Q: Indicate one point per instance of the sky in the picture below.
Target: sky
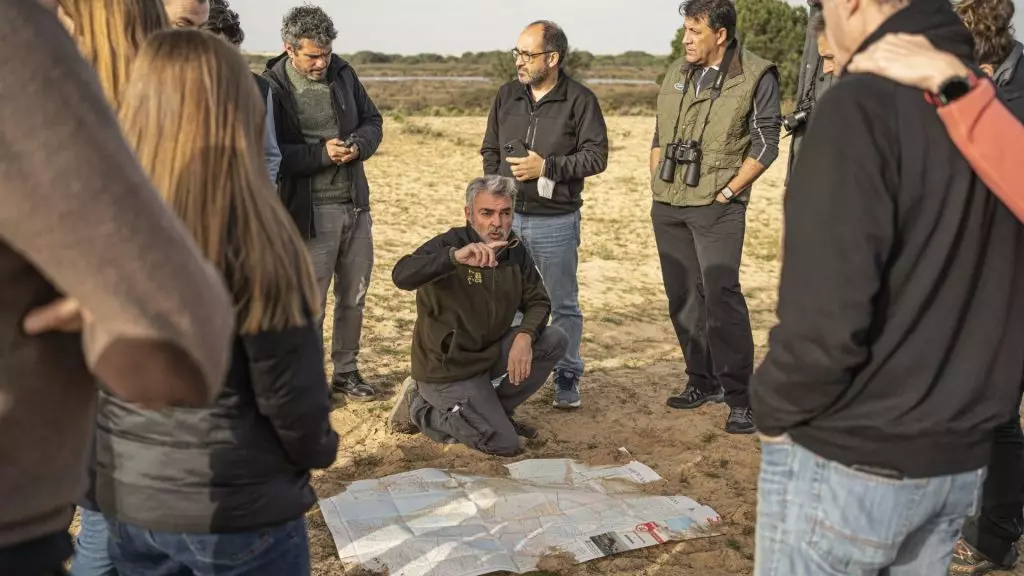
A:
(457, 26)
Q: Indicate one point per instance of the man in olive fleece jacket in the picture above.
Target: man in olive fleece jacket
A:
(470, 370)
(79, 219)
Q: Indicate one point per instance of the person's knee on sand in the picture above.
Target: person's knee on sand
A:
(551, 345)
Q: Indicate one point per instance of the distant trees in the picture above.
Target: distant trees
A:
(771, 29)
(577, 63)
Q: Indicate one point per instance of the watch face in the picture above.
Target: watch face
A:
(954, 88)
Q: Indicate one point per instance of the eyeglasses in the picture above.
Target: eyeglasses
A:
(527, 56)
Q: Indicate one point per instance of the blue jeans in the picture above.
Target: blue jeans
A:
(92, 556)
(281, 550)
(553, 242)
(816, 517)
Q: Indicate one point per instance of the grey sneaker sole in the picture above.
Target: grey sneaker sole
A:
(567, 405)
(400, 420)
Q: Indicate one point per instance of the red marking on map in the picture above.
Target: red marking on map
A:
(652, 529)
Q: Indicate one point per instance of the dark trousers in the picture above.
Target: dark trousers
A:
(996, 529)
(483, 419)
(700, 249)
(40, 557)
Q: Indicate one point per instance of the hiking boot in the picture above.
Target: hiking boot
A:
(400, 418)
(525, 430)
(969, 562)
(692, 397)
(352, 386)
(741, 421)
(567, 390)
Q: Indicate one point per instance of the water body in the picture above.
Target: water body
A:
(486, 79)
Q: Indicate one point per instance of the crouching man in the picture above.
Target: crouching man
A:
(470, 371)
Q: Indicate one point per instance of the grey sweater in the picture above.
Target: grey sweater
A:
(331, 185)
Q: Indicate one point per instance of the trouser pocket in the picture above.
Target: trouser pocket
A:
(463, 423)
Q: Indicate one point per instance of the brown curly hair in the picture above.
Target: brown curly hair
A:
(991, 24)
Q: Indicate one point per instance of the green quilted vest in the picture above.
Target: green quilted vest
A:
(726, 138)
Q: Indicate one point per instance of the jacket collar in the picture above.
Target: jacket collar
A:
(559, 92)
(735, 67)
(276, 68)
(1006, 71)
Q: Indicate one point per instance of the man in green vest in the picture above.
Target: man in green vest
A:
(717, 131)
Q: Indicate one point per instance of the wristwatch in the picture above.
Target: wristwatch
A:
(728, 193)
(953, 88)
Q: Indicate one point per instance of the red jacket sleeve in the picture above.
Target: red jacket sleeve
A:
(990, 137)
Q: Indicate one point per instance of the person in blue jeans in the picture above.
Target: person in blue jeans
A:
(557, 123)
(222, 489)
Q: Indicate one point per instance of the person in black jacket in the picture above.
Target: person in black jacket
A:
(470, 369)
(327, 127)
(224, 22)
(900, 341)
(559, 123)
(187, 491)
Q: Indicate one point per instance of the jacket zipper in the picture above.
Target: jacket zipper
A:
(531, 135)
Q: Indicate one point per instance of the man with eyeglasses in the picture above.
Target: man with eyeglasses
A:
(547, 131)
(327, 127)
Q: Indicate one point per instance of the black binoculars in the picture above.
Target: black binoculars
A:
(687, 153)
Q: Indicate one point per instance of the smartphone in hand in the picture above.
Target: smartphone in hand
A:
(516, 149)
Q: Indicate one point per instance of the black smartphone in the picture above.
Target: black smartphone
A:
(516, 149)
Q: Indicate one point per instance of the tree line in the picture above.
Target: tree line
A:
(772, 29)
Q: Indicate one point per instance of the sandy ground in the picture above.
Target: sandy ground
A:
(633, 361)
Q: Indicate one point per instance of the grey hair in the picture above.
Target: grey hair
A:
(497, 185)
(308, 22)
(555, 39)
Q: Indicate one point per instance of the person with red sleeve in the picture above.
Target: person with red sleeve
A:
(984, 124)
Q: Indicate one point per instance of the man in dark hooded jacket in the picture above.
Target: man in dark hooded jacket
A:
(901, 332)
(327, 127)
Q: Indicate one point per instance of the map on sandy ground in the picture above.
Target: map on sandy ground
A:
(432, 522)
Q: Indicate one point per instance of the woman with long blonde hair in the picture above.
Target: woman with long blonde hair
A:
(110, 34)
(225, 487)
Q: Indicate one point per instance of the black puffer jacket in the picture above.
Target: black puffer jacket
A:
(357, 117)
(239, 465)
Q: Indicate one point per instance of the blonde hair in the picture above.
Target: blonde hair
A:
(194, 117)
(110, 34)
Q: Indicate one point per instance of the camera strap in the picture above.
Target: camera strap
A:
(716, 88)
(686, 88)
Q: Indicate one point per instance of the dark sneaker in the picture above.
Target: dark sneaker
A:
(692, 397)
(352, 386)
(525, 430)
(969, 562)
(567, 390)
(400, 419)
(741, 421)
